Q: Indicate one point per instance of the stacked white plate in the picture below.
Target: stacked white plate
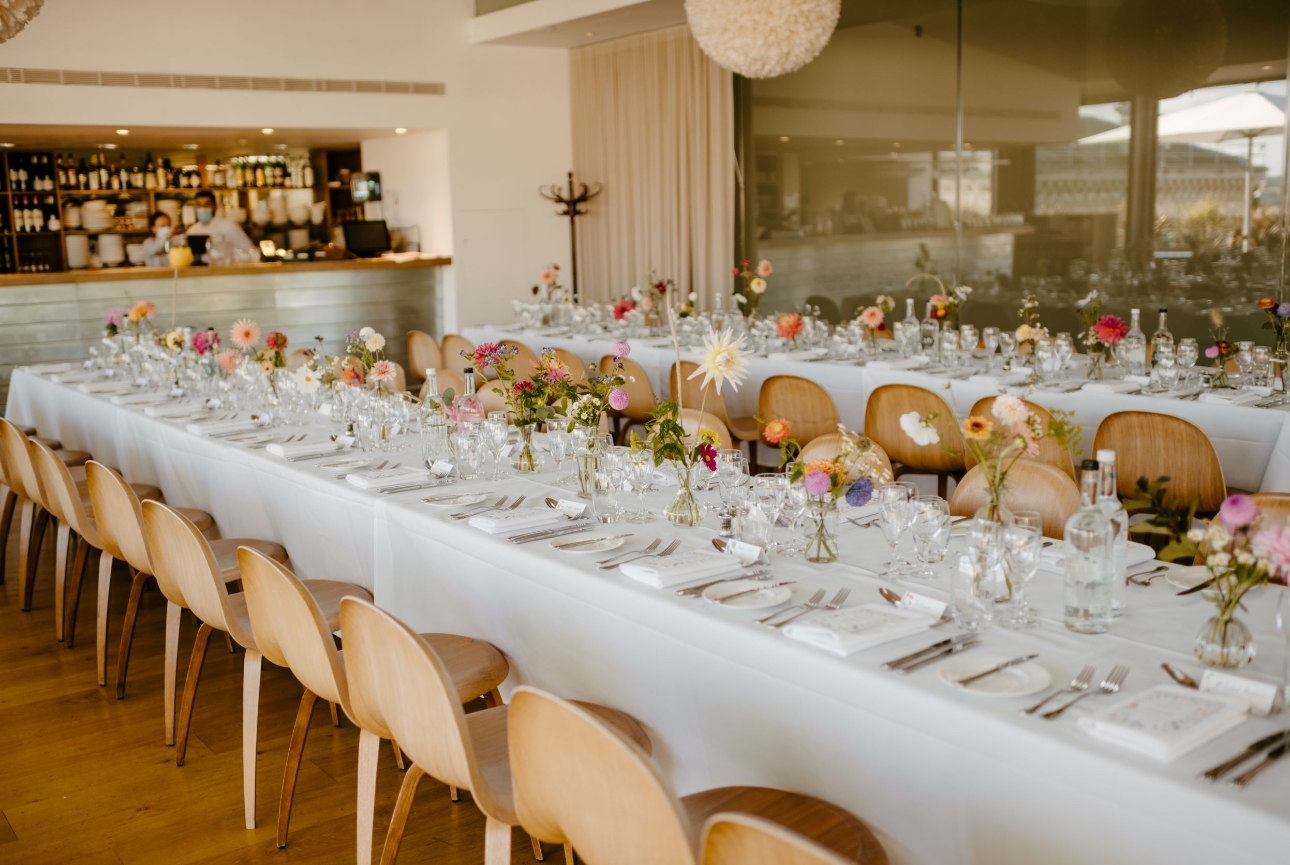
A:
(95, 216)
(170, 207)
(112, 249)
(78, 251)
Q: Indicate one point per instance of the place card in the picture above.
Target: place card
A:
(1261, 696)
(1166, 721)
(744, 551)
(325, 409)
(923, 604)
(571, 509)
(441, 468)
(505, 451)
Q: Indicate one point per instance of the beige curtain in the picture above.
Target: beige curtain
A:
(653, 121)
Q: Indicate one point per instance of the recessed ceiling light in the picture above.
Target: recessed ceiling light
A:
(1268, 66)
(280, 146)
(783, 139)
(400, 131)
(839, 142)
(6, 144)
(589, 33)
(108, 146)
(189, 146)
(123, 132)
(267, 130)
(895, 144)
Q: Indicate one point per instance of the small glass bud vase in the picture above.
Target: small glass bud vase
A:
(821, 526)
(684, 510)
(1225, 641)
(525, 460)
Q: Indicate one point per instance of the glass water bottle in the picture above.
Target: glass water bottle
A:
(1133, 348)
(1162, 336)
(1088, 560)
(1108, 499)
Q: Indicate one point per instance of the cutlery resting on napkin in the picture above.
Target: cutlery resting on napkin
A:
(507, 522)
(300, 449)
(664, 573)
(379, 479)
(855, 629)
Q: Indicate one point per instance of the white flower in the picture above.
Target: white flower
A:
(382, 370)
(961, 292)
(694, 296)
(757, 285)
(1218, 561)
(365, 333)
(1087, 299)
(1196, 535)
(374, 341)
(1010, 409)
(1245, 557)
(723, 359)
(922, 432)
(636, 293)
(740, 299)
(307, 379)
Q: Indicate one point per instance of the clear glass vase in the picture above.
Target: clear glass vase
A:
(584, 459)
(525, 460)
(821, 530)
(1095, 359)
(994, 513)
(1225, 641)
(684, 510)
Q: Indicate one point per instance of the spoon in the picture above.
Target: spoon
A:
(896, 600)
(1180, 677)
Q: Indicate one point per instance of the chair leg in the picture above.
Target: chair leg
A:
(335, 715)
(497, 843)
(26, 528)
(369, 747)
(127, 627)
(299, 733)
(942, 485)
(537, 849)
(568, 855)
(493, 699)
(62, 545)
(173, 613)
(250, 730)
(33, 548)
(6, 523)
(74, 591)
(102, 596)
(454, 794)
(228, 641)
(398, 755)
(190, 691)
(399, 819)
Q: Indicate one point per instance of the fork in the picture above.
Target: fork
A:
(1109, 685)
(653, 545)
(807, 607)
(1079, 683)
(667, 551)
(1137, 579)
(479, 509)
(838, 600)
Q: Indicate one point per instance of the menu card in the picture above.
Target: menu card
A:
(380, 479)
(1166, 721)
(847, 631)
(687, 567)
(506, 523)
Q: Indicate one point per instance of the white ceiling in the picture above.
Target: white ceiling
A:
(570, 23)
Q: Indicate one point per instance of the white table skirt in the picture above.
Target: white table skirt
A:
(941, 777)
(1253, 444)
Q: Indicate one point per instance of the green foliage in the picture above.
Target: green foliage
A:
(1166, 531)
(666, 434)
(1062, 427)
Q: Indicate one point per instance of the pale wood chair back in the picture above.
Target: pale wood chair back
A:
(423, 354)
(693, 420)
(451, 349)
(1275, 507)
(182, 558)
(577, 366)
(118, 516)
(493, 397)
(882, 424)
(399, 383)
(392, 670)
(1031, 486)
(1149, 445)
(290, 629)
(62, 498)
(692, 395)
(640, 395)
(526, 358)
(22, 474)
(827, 447)
(578, 782)
(1051, 451)
(744, 839)
(298, 358)
(804, 404)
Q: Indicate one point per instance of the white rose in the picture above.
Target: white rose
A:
(922, 434)
(374, 341)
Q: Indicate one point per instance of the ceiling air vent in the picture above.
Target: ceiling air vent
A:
(82, 78)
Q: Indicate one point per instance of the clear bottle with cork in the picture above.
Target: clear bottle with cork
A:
(469, 409)
(1088, 556)
(434, 421)
(1162, 336)
(1108, 499)
(929, 331)
(1133, 348)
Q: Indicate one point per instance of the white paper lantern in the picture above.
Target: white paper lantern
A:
(14, 15)
(762, 38)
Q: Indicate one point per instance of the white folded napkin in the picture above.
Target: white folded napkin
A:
(136, 398)
(801, 354)
(506, 522)
(1000, 379)
(218, 427)
(45, 368)
(685, 567)
(105, 387)
(1231, 397)
(1166, 721)
(301, 449)
(76, 376)
(164, 411)
(380, 479)
(845, 632)
(1054, 558)
(918, 361)
(1112, 387)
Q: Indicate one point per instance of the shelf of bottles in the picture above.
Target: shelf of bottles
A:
(37, 188)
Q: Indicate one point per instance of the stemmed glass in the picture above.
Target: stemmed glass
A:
(931, 531)
(968, 339)
(1065, 351)
(990, 337)
(730, 468)
(1008, 343)
(642, 474)
(1022, 546)
(1187, 353)
(894, 514)
(1245, 360)
(470, 446)
(559, 442)
(496, 434)
(796, 499)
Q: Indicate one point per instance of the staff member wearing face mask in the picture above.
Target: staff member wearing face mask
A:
(154, 248)
(215, 226)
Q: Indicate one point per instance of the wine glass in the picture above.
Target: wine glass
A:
(1008, 344)
(990, 337)
(968, 339)
(893, 518)
(1065, 351)
(1187, 353)
(642, 474)
(1022, 546)
(728, 471)
(796, 499)
(1166, 360)
(930, 528)
(559, 442)
(496, 435)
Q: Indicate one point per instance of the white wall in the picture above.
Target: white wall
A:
(505, 115)
(415, 188)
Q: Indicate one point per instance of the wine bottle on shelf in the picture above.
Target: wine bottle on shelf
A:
(103, 172)
(163, 174)
(22, 177)
(82, 175)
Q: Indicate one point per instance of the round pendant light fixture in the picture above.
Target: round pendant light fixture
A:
(14, 15)
(762, 38)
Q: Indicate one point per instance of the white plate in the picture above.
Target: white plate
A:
(1019, 681)
(346, 465)
(594, 544)
(1189, 577)
(457, 501)
(751, 601)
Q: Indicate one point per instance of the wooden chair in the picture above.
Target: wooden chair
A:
(423, 354)
(451, 350)
(827, 447)
(1149, 445)
(579, 782)
(806, 406)
(1275, 507)
(298, 358)
(882, 424)
(181, 557)
(1051, 451)
(742, 839)
(828, 308)
(639, 395)
(292, 631)
(1032, 485)
(21, 480)
(693, 420)
(401, 673)
(493, 397)
(742, 429)
(577, 366)
(525, 359)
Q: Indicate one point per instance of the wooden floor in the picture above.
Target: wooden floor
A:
(87, 778)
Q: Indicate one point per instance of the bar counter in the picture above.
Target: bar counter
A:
(53, 317)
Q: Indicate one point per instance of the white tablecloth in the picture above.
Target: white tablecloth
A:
(942, 777)
(1253, 444)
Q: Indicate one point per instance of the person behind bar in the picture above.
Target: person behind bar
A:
(154, 248)
(222, 231)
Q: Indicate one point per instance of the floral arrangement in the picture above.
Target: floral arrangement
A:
(622, 306)
(1220, 351)
(777, 432)
(308, 379)
(548, 286)
(750, 282)
(229, 360)
(852, 472)
(600, 390)
(1278, 321)
(206, 341)
(274, 353)
(113, 321)
(532, 400)
(142, 312)
(948, 303)
(789, 326)
(874, 318)
(1030, 331)
(1100, 331)
(173, 340)
(365, 355)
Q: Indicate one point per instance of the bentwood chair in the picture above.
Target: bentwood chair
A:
(576, 366)
(1051, 451)
(742, 429)
(1032, 485)
(492, 396)
(882, 424)
(20, 478)
(452, 349)
(640, 397)
(742, 839)
(402, 674)
(1152, 445)
(828, 308)
(693, 421)
(10, 496)
(423, 354)
(806, 406)
(579, 782)
(1275, 507)
(298, 358)
(181, 557)
(292, 631)
(827, 447)
(526, 358)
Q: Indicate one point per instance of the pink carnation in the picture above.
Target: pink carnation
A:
(622, 349)
(1273, 545)
(1237, 511)
(1027, 434)
(763, 268)
(622, 307)
(618, 399)
(818, 483)
(1211, 352)
(1110, 329)
(229, 360)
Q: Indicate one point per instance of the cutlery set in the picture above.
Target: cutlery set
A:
(1275, 745)
(936, 651)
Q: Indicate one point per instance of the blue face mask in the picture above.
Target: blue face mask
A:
(205, 215)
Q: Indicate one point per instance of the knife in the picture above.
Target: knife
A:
(754, 589)
(1275, 754)
(1254, 748)
(1196, 588)
(952, 650)
(1011, 662)
(948, 641)
(698, 590)
(419, 485)
(550, 533)
(575, 544)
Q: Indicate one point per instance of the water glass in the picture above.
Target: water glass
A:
(496, 434)
(894, 514)
(931, 531)
(604, 493)
(642, 475)
(470, 452)
(1022, 547)
(968, 338)
(949, 348)
(1008, 345)
(1187, 353)
(990, 339)
(796, 499)
(972, 583)
(770, 488)
(1166, 360)
(1262, 376)
(1245, 360)
(756, 525)
(559, 442)
(1065, 351)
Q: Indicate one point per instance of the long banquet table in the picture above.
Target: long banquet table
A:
(1253, 444)
(942, 777)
